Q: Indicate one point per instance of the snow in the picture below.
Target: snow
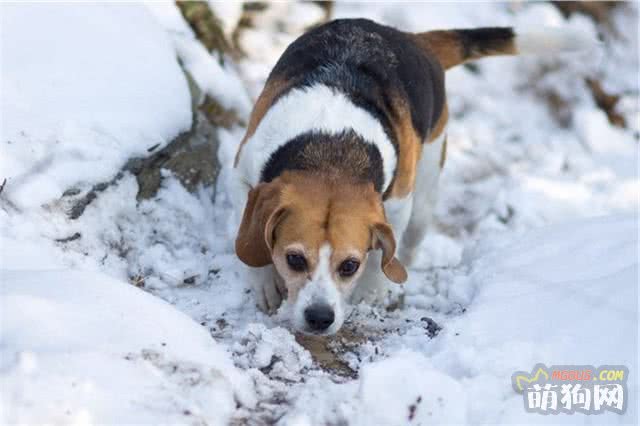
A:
(113, 354)
(437, 398)
(85, 88)
(546, 296)
(534, 259)
(228, 12)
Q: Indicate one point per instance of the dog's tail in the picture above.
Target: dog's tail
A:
(454, 47)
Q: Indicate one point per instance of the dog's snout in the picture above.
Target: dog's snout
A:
(319, 317)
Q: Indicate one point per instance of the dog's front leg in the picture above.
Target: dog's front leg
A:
(371, 287)
(268, 292)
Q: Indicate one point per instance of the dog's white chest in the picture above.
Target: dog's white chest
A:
(316, 108)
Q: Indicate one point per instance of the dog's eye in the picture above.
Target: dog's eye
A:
(348, 267)
(297, 262)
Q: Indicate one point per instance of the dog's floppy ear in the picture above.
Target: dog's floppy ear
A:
(262, 214)
(382, 238)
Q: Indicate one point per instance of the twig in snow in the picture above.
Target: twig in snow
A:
(73, 237)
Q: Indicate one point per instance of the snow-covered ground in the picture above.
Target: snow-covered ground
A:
(91, 349)
(535, 259)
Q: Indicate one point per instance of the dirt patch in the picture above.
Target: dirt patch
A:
(327, 352)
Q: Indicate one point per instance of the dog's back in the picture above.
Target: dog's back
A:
(374, 65)
(338, 78)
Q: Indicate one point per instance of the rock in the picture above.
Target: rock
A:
(205, 24)
(219, 115)
(606, 102)
(191, 156)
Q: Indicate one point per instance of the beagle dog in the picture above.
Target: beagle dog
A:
(337, 174)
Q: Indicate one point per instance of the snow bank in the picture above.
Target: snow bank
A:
(85, 88)
(564, 294)
(81, 347)
(421, 394)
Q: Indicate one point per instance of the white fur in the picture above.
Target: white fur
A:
(320, 289)
(314, 108)
(425, 195)
(549, 40)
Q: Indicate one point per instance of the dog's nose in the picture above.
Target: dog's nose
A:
(319, 317)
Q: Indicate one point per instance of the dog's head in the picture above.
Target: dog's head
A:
(317, 232)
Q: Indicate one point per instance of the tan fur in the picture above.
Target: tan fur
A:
(270, 92)
(410, 148)
(443, 44)
(383, 239)
(312, 210)
(447, 47)
(328, 210)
